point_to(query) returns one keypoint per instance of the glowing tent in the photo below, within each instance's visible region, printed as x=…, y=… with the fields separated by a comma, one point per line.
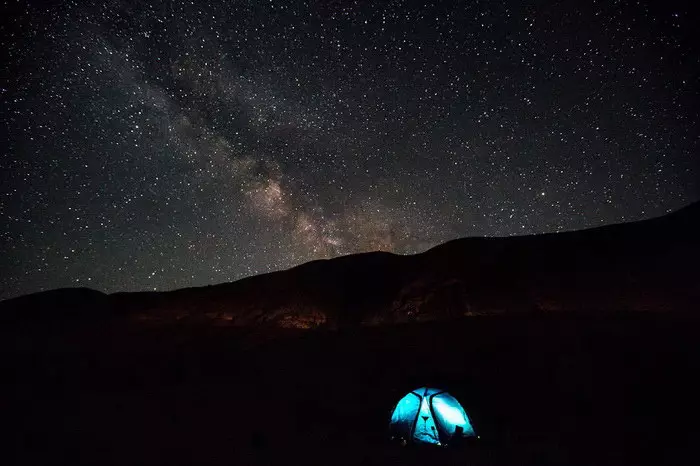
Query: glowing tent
x=429, y=415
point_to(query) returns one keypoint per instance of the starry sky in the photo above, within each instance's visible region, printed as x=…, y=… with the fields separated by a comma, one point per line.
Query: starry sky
x=158, y=145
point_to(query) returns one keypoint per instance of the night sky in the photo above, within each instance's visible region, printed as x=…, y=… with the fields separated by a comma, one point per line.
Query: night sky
x=153, y=146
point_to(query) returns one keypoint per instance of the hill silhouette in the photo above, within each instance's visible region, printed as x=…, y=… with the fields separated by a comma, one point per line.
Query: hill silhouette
x=649, y=265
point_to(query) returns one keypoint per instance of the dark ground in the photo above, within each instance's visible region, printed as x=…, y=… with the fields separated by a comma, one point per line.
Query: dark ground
x=595, y=390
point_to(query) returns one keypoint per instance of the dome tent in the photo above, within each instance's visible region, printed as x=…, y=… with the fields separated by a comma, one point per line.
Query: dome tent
x=429, y=415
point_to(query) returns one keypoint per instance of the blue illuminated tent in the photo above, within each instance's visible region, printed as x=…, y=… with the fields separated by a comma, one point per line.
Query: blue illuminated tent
x=429, y=415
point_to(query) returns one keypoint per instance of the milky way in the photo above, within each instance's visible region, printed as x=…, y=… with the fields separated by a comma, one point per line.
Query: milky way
x=152, y=146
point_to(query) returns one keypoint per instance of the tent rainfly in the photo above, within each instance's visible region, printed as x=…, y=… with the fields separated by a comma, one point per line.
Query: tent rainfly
x=429, y=415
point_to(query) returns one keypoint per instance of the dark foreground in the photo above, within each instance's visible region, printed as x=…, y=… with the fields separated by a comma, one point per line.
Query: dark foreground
x=540, y=390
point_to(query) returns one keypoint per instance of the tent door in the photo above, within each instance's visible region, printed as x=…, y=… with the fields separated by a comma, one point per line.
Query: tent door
x=425, y=430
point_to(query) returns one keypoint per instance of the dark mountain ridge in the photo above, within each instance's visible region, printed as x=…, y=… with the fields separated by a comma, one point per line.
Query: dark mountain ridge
x=650, y=265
